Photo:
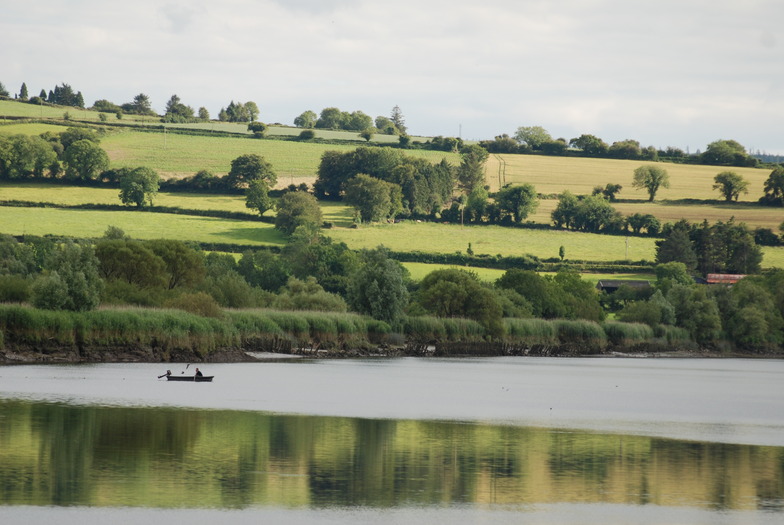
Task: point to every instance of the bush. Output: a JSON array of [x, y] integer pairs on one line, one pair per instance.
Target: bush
[[14, 289], [198, 303], [307, 134]]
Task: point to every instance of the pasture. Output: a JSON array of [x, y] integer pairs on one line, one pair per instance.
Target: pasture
[[581, 175], [177, 155], [139, 225]]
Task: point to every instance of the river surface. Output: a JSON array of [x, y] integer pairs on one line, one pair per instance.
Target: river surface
[[492, 440]]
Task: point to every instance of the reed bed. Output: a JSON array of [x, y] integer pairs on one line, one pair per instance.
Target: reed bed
[[627, 333]]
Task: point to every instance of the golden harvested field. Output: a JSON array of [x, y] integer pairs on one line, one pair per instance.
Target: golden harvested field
[[581, 175]]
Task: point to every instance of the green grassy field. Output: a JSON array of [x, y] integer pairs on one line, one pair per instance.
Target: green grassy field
[[30, 129], [139, 225], [419, 270], [176, 155], [492, 240]]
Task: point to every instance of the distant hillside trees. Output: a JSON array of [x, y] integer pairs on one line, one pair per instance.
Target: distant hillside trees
[[425, 187], [239, 112], [3, 91], [307, 119], [730, 185], [651, 178], [177, 112], [727, 153], [85, 160], [774, 188], [724, 247], [64, 95], [23, 94], [298, 210], [140, 105], [22, 157], [139, 186]]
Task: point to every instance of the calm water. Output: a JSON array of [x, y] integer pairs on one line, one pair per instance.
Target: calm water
[[397, 441]]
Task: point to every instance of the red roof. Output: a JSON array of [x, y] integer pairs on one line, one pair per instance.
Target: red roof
[[724, 278]]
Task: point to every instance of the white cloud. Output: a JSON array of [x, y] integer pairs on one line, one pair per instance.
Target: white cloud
[[664, 73]]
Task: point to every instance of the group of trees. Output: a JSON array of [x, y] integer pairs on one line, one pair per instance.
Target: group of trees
[[749, 314], [536, 139], [424, 187], [239, 112], [334, 118], [723, 247], [74, 155]]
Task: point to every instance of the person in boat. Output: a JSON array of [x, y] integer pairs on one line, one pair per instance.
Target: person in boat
[[198, 373]]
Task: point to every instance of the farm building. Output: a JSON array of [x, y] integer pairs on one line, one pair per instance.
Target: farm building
[[611, 286], [723, 278]]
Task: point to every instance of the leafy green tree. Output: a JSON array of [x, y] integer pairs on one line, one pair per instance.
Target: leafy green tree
[[85, 160], [176, 111], [140, 105], [23, 94], [643, 221], [774, 188], [696, 311], [71, 135], [367, 134], [532, 136], [296, 209], [331, 118], [730, 185], [259, 129], [184, 265], [377, 288], [651, 178], [139, 187], [565, 212], [252, 110], [625, 149], [609, 191], [595, 214], [22, 156], [308, 294], [71, 280], [590, 144], [264, 269], [458, 293], [373, 199], [307, 134], [257, 197], [16, 258], [671, 273], [471, 172], [204, 114], [250, 167], [306, 120], [677, 246], [130, 261], [3, 91], [386, 126], [517, 202], [727, 153], [398, 120], [358, 121]]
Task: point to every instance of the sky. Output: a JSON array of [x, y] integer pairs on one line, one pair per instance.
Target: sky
[[667, 73]]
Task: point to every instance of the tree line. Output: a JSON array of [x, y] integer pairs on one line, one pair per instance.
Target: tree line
[[317, 274], [536, 139]]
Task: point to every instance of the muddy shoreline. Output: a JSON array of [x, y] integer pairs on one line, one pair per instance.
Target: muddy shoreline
[[52, 354]]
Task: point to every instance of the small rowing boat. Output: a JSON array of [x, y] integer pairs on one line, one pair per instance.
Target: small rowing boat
[[198, 379]]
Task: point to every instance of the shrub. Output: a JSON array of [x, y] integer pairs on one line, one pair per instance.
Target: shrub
[[198, 303], [307, 134]]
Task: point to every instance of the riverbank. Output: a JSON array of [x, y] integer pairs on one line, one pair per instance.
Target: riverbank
[[72, 354]]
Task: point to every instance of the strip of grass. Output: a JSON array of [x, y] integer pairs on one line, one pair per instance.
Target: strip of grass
[[139, 225], [491, 240], [29, 129]]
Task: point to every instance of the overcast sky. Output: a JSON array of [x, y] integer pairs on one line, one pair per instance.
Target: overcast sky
[[667, 73]]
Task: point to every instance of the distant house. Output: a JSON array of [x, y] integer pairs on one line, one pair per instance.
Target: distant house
[[723, 278], [611, 286]]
